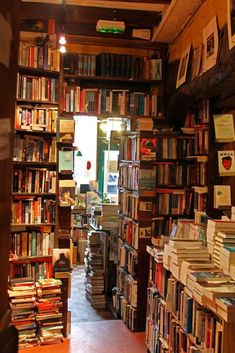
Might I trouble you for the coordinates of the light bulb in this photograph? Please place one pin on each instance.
(62, 49)
(62, 40)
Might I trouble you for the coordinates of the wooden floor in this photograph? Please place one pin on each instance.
(109, 336)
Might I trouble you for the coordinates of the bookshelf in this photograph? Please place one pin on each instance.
(106, 83)
(34, 174)
(155, 189)
(180, 314)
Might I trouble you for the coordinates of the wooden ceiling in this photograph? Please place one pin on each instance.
(79, 17)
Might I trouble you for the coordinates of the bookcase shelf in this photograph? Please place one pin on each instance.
(28, 259)
(36, 102)
(35, 164)
(111, 79)
(23, 194)
(36, 71)
(35, 132)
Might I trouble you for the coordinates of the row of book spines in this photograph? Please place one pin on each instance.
(128, 287)
(128, 313)
(178, 341)
(32, 244)
(32, 149)
(113, 65)
(40, 119)
(35, 270)
(34, 181)
(39, 57)
(37, 88)
(130, 232)
(177, 148)
(80, 64)
(35, 211)
(166, 174)
(77, 100)
(201, 141)
(167, 202)
(162, 314)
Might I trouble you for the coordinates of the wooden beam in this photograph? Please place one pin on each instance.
(127, 5)
(176, 16)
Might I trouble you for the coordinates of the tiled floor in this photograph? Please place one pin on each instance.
(93, 331)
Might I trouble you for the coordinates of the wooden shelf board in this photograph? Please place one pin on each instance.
(38, 132)
(33, 101)
(23, 194)
(36, 164)
(37, 71)
(43, 258)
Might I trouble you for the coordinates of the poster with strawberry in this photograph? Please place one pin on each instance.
(226, 163)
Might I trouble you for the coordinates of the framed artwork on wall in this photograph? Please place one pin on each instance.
(196, 66)
(231, 22)
(210, 45)
(183, 67)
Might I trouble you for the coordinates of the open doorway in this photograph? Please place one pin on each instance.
(96, 174)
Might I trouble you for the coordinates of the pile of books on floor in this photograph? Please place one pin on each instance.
(48, 316)
(94, 267)
(183, 249)
(22, 292)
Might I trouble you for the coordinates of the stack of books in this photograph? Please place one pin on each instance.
(178, 250)
(224, 250)
(22, 292)
(48, 304)
(213, 227)
(94, 268)
(226, 308)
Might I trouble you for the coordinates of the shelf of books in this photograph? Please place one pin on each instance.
(190, 305)
(97, 84)
(155, 188)
(35, 297)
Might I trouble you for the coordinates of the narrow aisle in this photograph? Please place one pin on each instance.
(81, 309)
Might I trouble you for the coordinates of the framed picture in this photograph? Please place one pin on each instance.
(231, 22)
(183, 66)
(197, 52)
(210, 44)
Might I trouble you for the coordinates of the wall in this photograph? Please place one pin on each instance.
(193, 31)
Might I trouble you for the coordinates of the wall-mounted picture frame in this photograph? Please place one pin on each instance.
(183, 67)
(210, 44)
(231, 23)
(196, 65)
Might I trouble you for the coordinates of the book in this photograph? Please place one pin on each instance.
(65, 161)
(61, 260)
(226, 163)
(224, 127)
(66, 130)
(222, 196)
(67, 193)
(208, 276)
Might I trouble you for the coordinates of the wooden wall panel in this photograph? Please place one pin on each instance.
(193, 31)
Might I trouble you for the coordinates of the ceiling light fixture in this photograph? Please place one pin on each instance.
(114, 27)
